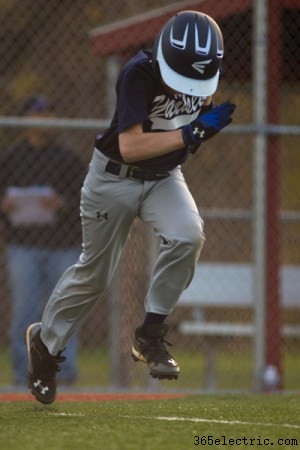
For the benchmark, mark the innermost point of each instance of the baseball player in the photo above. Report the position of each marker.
(164, 112)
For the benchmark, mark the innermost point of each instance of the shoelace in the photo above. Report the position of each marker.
(156, 349)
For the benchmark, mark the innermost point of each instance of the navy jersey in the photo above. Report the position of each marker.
(142, 99)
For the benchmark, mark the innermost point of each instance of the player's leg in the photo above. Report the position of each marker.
(108, 207)
(170, 209)
(57, 261)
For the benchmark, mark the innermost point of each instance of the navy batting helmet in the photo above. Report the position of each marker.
(189, 51)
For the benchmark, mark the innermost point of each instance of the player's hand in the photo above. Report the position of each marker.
(208, 124)
(52, 202)
(205, 109)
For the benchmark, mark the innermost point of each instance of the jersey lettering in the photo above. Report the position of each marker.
(172, 113)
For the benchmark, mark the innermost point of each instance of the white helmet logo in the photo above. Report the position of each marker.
(181, 44)
(220, 52)
(202, 50)
(201, 65)
(205, 50)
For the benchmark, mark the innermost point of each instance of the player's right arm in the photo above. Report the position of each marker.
(137, 145)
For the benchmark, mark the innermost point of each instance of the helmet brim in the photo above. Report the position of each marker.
(185, 85)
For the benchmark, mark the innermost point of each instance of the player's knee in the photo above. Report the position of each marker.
(188, 243)
(201, 240)
(191, 245)
(196, 238)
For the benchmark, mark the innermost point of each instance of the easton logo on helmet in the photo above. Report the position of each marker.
(200, 66)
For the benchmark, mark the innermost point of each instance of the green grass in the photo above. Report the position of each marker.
(144, 424)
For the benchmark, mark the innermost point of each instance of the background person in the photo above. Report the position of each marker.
(40, 185)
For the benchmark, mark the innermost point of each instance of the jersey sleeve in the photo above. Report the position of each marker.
(134, 92)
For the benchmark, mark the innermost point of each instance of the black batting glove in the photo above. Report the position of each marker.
(208, 124)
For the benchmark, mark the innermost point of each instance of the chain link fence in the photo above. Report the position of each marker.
(58, 48)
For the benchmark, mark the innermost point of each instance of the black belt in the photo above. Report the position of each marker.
(134, 173)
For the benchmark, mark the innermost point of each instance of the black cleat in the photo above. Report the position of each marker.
(42, 366)
(149, 347)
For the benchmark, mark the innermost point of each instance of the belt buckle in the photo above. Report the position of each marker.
(130, 172)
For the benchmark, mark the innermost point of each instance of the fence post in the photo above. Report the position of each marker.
(273, 303)
(259, 187)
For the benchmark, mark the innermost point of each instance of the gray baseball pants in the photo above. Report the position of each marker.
(109, 204)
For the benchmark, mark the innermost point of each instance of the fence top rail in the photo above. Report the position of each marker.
(244, 214)
(100, 124)
(232, 284)
(57, 122)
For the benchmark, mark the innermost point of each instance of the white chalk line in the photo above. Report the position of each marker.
(217, 421)
(192, 419)
(66, 414)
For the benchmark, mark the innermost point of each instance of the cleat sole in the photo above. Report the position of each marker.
(156, 375)
(164, 377)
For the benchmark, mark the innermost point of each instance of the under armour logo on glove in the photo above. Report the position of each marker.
(200, 133)
(208, 124)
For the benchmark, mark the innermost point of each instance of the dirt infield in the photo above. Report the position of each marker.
(90, 397)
